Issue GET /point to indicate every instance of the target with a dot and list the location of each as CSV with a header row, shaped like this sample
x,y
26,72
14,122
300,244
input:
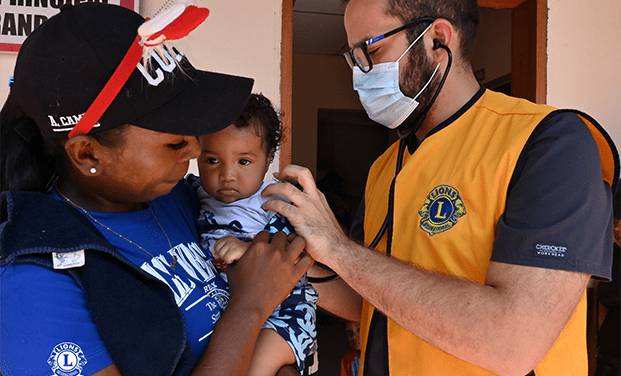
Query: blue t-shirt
x,y
51,329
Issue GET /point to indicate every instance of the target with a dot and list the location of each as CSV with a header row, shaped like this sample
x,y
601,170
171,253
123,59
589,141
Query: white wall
x,y
584,59
7,62
240,37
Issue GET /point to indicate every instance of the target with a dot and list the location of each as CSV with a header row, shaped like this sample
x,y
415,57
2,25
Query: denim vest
x,y
124,301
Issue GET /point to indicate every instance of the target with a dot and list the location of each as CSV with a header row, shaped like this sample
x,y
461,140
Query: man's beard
x,y
420,68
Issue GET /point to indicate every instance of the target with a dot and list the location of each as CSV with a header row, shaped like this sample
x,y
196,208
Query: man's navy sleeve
x,y
558,212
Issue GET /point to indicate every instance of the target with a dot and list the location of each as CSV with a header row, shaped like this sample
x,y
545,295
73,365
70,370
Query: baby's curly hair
x,y
265,118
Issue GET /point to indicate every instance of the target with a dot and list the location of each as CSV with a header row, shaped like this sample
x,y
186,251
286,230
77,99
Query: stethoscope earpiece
x,y
437,44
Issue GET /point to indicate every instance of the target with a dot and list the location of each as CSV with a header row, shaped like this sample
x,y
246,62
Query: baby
x,y
232,165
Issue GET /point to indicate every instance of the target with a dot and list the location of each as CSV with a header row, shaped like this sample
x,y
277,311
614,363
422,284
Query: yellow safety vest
x,y
448,197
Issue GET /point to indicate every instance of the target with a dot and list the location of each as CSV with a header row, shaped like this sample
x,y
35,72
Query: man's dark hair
x,y
265,118
463,14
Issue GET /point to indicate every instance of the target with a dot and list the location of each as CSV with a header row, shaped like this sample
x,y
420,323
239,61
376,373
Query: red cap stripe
x,y
110,91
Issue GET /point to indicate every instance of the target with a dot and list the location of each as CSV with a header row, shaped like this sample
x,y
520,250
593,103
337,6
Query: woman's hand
x,y
259,281
264,276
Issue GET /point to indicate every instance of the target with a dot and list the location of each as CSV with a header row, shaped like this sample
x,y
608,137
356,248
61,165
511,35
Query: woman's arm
x,y
258,282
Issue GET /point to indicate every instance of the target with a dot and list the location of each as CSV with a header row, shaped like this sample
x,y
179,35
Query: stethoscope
x,y
404,140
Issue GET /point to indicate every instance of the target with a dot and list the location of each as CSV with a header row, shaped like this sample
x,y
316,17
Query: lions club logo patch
x,y
67,359
441,209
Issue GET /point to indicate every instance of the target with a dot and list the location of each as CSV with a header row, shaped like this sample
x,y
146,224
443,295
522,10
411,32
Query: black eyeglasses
x,y
359,55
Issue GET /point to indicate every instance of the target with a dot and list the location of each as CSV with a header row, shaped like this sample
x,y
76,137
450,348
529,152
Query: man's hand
x,y
617,231
309,212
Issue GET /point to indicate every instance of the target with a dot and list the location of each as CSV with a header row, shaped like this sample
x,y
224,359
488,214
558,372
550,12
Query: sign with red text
x,y
18,18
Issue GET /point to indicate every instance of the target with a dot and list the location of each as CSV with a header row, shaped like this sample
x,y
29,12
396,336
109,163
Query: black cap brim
x,y
209,103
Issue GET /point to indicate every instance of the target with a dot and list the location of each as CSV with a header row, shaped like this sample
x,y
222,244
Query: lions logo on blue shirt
x,y
441,209
67,359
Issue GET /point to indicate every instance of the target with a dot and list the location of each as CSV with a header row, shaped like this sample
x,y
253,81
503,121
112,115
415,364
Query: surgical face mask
x,y
381,95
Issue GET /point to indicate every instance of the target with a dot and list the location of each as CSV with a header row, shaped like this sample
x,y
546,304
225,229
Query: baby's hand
x,y
230,249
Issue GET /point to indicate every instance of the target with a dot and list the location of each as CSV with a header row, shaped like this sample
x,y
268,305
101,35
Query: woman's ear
x,y
84,152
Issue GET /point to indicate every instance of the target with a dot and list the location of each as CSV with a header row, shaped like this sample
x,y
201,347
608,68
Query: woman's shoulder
x,y
31,221
51,308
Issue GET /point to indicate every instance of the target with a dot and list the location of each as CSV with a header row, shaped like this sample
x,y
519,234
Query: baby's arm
x,y
229,249
271,353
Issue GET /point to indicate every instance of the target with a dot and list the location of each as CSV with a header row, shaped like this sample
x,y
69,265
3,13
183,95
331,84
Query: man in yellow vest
x,y
478,253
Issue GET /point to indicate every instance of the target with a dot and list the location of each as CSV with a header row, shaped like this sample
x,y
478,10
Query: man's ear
x,y
84,152
443,31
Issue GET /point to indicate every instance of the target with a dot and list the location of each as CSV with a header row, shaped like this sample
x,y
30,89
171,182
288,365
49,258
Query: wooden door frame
x,y
286,81
529,39
529,43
